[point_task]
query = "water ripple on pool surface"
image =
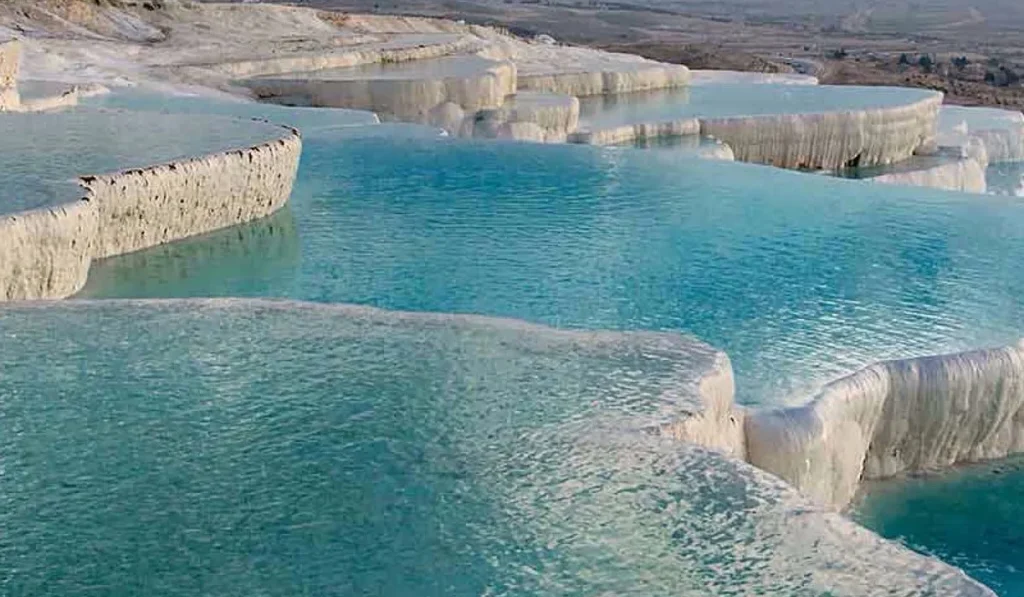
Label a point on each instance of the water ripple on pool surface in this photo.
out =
(798, 278)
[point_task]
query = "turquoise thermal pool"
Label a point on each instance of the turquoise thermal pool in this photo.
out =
(798, 278)
(44, 154)
(737, 99)
(238, 447)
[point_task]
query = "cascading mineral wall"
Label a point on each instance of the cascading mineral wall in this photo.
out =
(829, 141)
(45, 253)
(895, 417)
(140, 208)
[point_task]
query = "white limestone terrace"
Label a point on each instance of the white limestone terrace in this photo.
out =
(52, 150)
(84, 184)
(970, 142)
(791, 126)
(441, 91)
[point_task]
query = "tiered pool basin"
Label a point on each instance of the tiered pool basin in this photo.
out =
(798, 278)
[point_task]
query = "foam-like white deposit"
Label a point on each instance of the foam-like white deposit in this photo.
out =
(894, 417)
(45, 253)
(832, 140)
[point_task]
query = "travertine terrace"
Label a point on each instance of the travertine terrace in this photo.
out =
(890, 418)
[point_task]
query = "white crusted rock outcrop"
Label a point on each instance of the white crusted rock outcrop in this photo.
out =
(895, 417)
(829, 141)
(45, 253)
(10, 56)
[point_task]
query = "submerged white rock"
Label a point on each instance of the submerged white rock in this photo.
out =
(966, 175)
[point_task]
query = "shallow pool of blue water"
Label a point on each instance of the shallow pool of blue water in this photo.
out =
(969, 516)
(799, 278)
